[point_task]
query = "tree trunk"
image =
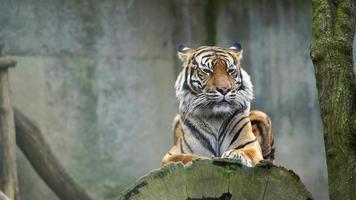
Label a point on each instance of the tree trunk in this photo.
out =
(37, 151)
(218, 179)
(331, 53)
(8, 168)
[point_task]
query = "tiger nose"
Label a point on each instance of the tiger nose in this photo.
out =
(223, 90)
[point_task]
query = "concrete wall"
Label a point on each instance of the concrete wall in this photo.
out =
(98, 76)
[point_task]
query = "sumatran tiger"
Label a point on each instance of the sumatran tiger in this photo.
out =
(214, 118)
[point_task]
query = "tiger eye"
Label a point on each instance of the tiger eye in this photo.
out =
(207, 71)
(231, 71)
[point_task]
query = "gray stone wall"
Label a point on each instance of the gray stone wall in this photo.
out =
(98, 77)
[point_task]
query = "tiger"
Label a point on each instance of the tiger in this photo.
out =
(214, 118)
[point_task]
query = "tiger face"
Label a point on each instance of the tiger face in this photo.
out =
(212, 81)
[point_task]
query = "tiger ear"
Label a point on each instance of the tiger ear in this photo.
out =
(237, 51)
(184, 52)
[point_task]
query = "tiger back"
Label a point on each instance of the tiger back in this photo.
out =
(262, 128)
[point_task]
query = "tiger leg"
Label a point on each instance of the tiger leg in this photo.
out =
(249, 155)
(184, 158)
(175, 155)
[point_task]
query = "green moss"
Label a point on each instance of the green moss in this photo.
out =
(331, 52)
(80, 82)
(208, 179)
(91, 25)
(160, 174)
(99, 166)
(86, 75)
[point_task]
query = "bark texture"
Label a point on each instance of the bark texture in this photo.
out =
(37, 151)
(8, 167)
(218, 179)
(331, 53)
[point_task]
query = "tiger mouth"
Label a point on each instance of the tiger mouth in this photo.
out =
(222, 102)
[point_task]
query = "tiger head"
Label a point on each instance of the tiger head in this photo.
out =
(212, 81)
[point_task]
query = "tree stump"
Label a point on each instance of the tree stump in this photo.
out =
(8, 168)
(220, 179)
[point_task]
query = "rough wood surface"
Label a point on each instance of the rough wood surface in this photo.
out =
(8, 167)
(37, 151)
(218, 179)
(331, 52)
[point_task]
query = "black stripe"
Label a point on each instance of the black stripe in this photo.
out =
(259, 127)
(270, 155)
(224, 125)
(255, 121)
(206, 56)
(206, 128)
(220, 51)
(214, 51)
(175, 127)
(266, 152)
(269, 121)
(191, 87)
(203, 51)
(186, 143)
(200, 76)
(225, 57)
(200, 137)
(185, 84)
(242, 87)
(247, 143)
(237, 123)
(194, 81)
(204, 86)
(238, 133)
(233, 57)
(175, 131)
(222, 133)
(189, 78)
(181, 146)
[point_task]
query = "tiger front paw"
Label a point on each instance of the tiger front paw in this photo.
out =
(184, 158)
(239, 155)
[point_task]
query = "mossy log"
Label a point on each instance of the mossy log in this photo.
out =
(218, 179)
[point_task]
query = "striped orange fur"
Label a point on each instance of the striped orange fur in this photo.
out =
(214, 118)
